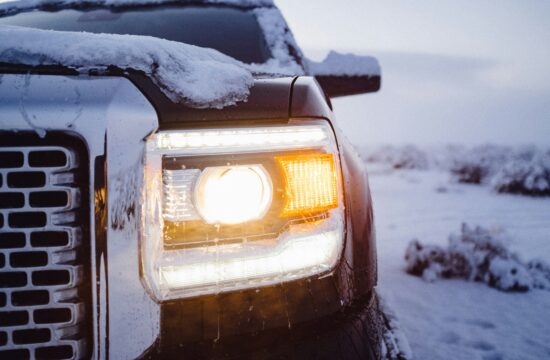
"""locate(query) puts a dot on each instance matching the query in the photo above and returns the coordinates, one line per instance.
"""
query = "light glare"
(233, 194)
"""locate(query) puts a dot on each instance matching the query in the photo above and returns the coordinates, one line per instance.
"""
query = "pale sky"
(452, 71)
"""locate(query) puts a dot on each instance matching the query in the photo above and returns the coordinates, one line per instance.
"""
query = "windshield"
(232, 31)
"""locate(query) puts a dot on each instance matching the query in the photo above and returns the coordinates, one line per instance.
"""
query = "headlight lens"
(229, 209)
(233, 194)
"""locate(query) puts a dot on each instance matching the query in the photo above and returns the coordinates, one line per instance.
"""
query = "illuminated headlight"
(233, 194)
(230, 209)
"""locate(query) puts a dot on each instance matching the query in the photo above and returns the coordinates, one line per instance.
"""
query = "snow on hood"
(345, 65)
(285, 53)
(195, 76)
(22, 5)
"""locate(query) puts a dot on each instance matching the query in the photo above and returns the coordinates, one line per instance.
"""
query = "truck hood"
(269, 99)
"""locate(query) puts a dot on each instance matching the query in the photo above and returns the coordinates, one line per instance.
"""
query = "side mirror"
(346, 74)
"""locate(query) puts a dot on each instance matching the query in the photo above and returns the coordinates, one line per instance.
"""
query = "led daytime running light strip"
(301, 255)
(210, 140)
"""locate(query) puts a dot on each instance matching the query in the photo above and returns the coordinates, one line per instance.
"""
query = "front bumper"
(355, 332)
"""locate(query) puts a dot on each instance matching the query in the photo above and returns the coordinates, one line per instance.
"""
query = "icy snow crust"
(395, 344)
(23, 5)
(187, 74)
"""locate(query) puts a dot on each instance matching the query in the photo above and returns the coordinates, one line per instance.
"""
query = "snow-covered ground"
(456, 319)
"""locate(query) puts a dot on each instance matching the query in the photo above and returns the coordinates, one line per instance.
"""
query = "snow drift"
(188, 74)
(477, 254)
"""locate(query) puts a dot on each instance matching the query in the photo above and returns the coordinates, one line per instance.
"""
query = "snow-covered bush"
(540, 271)
(444, 157)
(478, 164)
(507, 170)
(399, 157)
(527, 172)
(477, 254)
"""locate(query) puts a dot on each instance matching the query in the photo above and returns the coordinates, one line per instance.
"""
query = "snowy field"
(456, 319)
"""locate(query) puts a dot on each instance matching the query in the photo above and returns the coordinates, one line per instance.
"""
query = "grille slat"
(43, 304)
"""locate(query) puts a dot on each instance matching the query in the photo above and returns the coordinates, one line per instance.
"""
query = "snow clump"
(477, 254)
(345, 65)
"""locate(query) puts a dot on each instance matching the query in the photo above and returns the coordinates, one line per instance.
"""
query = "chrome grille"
(43, 292)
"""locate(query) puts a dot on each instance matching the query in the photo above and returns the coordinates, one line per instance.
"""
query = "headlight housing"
(229, 209)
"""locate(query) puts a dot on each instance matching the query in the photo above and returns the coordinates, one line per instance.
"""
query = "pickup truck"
(135, 226)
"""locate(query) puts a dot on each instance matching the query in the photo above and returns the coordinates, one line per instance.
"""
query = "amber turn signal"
(311, 184)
